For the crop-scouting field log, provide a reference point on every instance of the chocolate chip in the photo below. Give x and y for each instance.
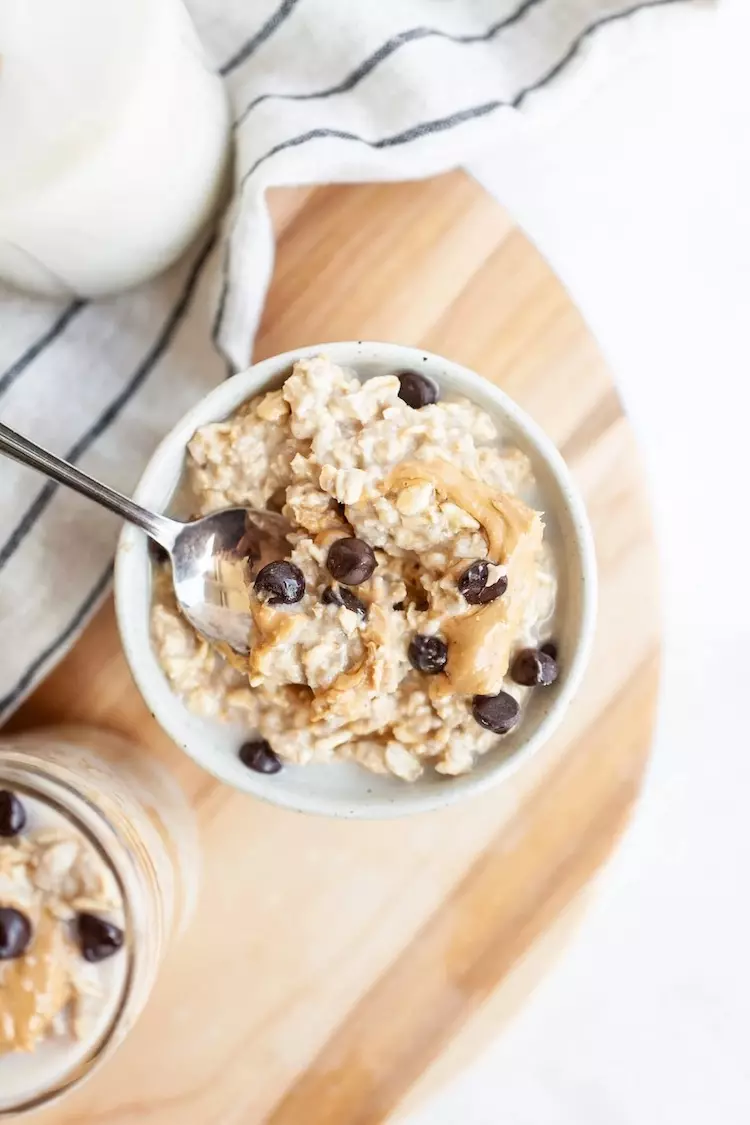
(15, 933)
(496, 590)
(473, 581)
(533, 668)
(351, 561)
(344, 597)
(400, 606)
(473, 584)
(416, 390)
(498, 713)
(97, 938)
(12, 814)
(549, 649)
(257, 755)
(428, 654)
(284, 581)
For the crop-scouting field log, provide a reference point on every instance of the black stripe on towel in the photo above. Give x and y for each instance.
(424, 129)
(578, 42)
(245, 52)
(8, 378)
(80, 617)
(414, 34)
(84, 443)
(272, 24)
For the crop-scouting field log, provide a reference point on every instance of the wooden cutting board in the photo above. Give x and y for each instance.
(335, 971)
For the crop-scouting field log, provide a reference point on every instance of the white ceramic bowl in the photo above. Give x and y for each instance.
(347, 790)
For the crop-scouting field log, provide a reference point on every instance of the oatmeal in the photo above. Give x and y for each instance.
(402, 629)
(61, 926)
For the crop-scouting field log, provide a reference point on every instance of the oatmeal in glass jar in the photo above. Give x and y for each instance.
(98, 868)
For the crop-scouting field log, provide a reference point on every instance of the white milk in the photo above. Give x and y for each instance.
(113, 141)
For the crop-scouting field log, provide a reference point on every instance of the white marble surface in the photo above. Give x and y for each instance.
(640, 197)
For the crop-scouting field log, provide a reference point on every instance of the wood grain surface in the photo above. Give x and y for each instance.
(335, 970)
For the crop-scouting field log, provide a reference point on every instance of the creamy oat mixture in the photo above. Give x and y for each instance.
(61, 924)
(414, 643)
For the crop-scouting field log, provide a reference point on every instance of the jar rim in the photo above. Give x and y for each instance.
(105, 1043)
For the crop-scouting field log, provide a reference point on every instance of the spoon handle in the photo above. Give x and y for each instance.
(27, 452)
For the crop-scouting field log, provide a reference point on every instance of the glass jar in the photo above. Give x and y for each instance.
(108, 796)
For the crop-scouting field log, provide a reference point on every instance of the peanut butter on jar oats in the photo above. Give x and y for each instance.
(57, 983)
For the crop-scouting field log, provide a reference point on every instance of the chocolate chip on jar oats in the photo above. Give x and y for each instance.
(15, 933)
(283, 581)
(257, 755)
(343, 597)
(351, 561)
(416, 390)
(533, 668)
(97, 938)
(498, 713)
(473, 584)
(428, 654)
(12, 814)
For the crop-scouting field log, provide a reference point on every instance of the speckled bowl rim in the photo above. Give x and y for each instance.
(222, 401)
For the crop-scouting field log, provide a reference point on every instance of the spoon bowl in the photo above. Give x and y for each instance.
(211, 562)
(211, 557)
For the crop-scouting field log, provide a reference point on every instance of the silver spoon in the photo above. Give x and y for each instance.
(209, 556)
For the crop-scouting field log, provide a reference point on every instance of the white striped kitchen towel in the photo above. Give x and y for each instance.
(322, 90)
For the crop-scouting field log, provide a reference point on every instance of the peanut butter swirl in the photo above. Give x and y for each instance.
(480, 640)
(36, 988)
